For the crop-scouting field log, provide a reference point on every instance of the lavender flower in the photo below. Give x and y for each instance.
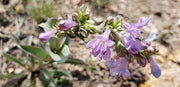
(132, 45)
(66, 24)
(134, 29)
(43, 37)
(155, 70)
(119, 66)
(101, 45)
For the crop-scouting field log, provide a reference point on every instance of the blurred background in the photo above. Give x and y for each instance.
(21, 18)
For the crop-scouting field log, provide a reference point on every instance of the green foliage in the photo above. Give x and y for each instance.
(49, 24)
(38, 52)
(14, 59)
(42, 11)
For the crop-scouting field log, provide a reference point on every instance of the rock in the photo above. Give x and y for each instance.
(2, 12)
(18, 71)
(10, 70)
(159, 58)
(75, 2)
(98, 19)
(163, 51)
(19, 8)
(113, 8)
(176, 56)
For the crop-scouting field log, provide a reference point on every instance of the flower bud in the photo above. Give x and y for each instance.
(75, 16)
(43, 37)
(110, 19)
(60, 18)
(142, 62)
(144, 45)
(86, 17)
(156, 49)
(150, 49)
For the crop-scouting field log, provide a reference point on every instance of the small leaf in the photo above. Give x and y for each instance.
(49, 24)
(45, 77)
(29, 40)
(62, 56)
(11, 75)
(15, 38)
(36, 51)
(58, 74)
(15, 81)
(68, 42)
(74, 61)
(65, 51)
(14, 59)
(56, 43)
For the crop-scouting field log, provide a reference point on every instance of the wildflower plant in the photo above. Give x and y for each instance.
(114, 32)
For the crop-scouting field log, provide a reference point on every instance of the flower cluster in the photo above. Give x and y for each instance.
(130, 47)
(114, 32)
(63, 25)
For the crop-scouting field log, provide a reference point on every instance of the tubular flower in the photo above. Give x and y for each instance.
(155, 70)
(43, 37)
(66, 24)
(132, 45)
(119, 66)
(101, 45)
(134, 29)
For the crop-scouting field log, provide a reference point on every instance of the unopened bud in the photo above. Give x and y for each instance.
(110, 19)
(156, 49)
(142, 62)
(86, 17)
(75, 16)
(144, 45)
(150, 49)
(60, 18)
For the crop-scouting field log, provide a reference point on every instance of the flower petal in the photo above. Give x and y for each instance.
(111, 63)
(155, 70)
(94, 53)
(106, 33)
(90, 43)
(114, 71)
(110, 43)
(43, 37)
(107, 55)
(66, 24)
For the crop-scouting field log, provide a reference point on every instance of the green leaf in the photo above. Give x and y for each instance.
(57, 43)
(15, 38)
(11, 75)
(45, 77)
(29, 40)
(49, 24)
(74, 61)
(58, 74)
(62, 56)
(14, 59)
(68, 42)
(40, 53)
(15, 81)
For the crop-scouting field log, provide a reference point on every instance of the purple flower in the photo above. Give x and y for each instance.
(66, 24)
(151, 37)
(155, 70)
(134, 29)
(119, 66)
(43, 37)
(132, 45)
(101, 45)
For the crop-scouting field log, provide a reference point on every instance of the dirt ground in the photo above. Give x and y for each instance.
(165, 23)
